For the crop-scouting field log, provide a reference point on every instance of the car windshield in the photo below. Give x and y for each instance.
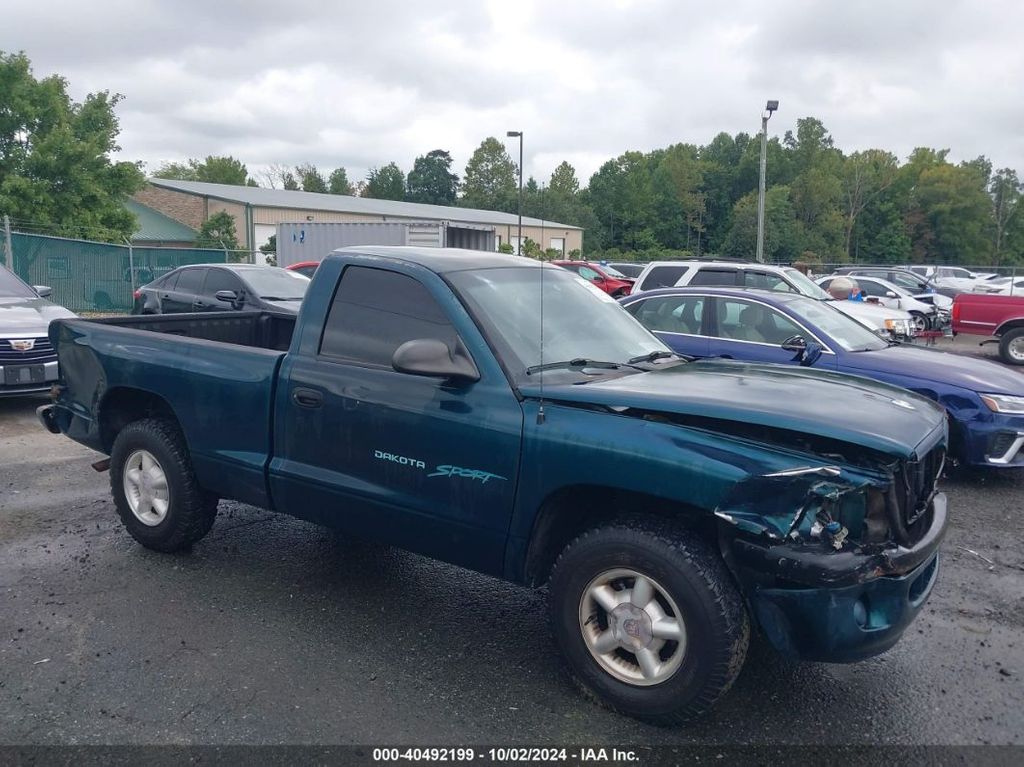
(275, 284)
(846, 333)
(611, 271)
(803, 284)
(580, 321)
(12, 287)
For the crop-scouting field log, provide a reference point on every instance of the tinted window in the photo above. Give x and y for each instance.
(715, 277)
(745, 321)
(670, 314)
(765, 281)
(190, 280)
(663, 277)
(170, 281)
(220, 279)
(376, 311)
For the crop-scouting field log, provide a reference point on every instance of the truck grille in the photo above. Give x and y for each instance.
(40, 353)
(910, 496)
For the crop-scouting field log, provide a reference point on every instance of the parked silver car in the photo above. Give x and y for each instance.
(27, 361)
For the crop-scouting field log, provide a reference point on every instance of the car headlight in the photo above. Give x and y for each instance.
(1004, 403)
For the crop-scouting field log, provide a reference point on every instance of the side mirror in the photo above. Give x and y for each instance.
(433, 358)
(890, 294)
(796, 344)
(43, 291)
(229, 296)
(807, 352)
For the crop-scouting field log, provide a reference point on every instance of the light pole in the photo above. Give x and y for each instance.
(769, 108)
(519, 235)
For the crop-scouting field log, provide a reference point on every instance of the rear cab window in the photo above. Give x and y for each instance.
(715, 276)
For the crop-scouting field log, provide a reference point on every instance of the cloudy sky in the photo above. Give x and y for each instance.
(362, 83)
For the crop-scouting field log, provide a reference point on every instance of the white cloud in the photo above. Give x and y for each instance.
(361, 84)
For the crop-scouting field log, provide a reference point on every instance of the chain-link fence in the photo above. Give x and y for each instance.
(91, 276)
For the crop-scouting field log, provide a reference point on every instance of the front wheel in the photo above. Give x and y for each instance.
(920, 322)
(155, 490)
(649, 620)
(1011, 347)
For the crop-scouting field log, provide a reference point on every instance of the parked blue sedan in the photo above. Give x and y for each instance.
(985, 401)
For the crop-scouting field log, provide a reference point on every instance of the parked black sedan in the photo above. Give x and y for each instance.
(222, 287)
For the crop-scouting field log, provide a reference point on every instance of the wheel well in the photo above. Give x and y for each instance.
(122, 406)
(1008, 326)
(571, 510)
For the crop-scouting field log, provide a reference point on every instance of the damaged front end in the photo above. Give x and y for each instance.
(835, 560)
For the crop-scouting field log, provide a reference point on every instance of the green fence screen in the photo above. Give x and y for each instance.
(97, 276)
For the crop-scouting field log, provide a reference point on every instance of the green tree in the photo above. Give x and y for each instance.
(431, 179)
(337, 182)
(212, 170)
(866, 175)
(387, 183)
(270, 246)
(679, 197)
(310, 178)
(218, 231)
(56, 174)
(490, 181)
(1006, 191)
(781, 235)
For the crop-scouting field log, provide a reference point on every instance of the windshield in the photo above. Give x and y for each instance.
(803, 283)
(580, 322)
(611, 271)
(12, 287)
(846, 333)
(275, 284)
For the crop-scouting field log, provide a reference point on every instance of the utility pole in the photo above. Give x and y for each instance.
(8, 250)
(769, 108)
(519, 236)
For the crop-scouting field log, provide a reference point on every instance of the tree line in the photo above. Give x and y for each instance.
(57, 177)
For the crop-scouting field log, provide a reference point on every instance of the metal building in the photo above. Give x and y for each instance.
(311, 241)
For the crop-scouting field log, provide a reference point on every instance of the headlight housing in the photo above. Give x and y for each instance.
(899, 327)
(1004, 403)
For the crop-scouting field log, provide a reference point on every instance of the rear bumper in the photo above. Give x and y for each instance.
(839, 606)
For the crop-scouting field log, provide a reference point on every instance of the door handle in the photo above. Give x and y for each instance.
(307, 397)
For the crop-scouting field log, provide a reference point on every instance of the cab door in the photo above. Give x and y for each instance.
(423, 463)
(753, 331)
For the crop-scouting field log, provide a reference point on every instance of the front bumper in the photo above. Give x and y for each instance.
(50, 375)
(838, 606)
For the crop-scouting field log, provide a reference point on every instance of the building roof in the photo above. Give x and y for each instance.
(340, 203)
(154, 226)
(442, 260)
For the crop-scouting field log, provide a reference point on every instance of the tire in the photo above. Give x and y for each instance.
(920, 321)
(168, 510)
(1011, 347)
(686, 577)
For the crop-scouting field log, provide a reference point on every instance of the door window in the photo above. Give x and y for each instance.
(589, 274)
(715, 277)
(190, 280)
(663, 277)
(871, 288)
(740, 320)
(376, 311)
(766, 281)
(220, 279)
(670, 314)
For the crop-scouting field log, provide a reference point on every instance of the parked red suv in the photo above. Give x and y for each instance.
(1001, 317)
(612, 282)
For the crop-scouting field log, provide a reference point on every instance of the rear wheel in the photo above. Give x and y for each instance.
(648, 619)
(1011, 346)
(155, 490)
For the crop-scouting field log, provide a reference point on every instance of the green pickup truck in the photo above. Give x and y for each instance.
(668, 505)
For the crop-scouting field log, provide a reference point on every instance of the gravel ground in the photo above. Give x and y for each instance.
(275, 631)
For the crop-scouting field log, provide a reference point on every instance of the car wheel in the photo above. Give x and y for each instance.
(920, 322)
(648, 619)
(1011, 347)
(155, 490)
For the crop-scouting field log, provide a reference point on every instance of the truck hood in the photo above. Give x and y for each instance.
(829, 405)
(870, 313)
(942, 367)
(29, 317)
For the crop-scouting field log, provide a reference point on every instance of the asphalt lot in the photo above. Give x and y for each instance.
(275, 631)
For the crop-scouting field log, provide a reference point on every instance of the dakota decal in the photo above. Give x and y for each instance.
(403, 460)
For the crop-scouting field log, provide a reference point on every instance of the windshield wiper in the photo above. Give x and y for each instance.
(652, 356)
(579, 362)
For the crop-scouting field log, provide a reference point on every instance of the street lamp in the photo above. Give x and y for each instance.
(519, 236)
(770, 107)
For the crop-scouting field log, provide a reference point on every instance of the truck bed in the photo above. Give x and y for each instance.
(262, 330)
(216, 372)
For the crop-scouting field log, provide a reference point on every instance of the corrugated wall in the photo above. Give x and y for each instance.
(313, 241)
